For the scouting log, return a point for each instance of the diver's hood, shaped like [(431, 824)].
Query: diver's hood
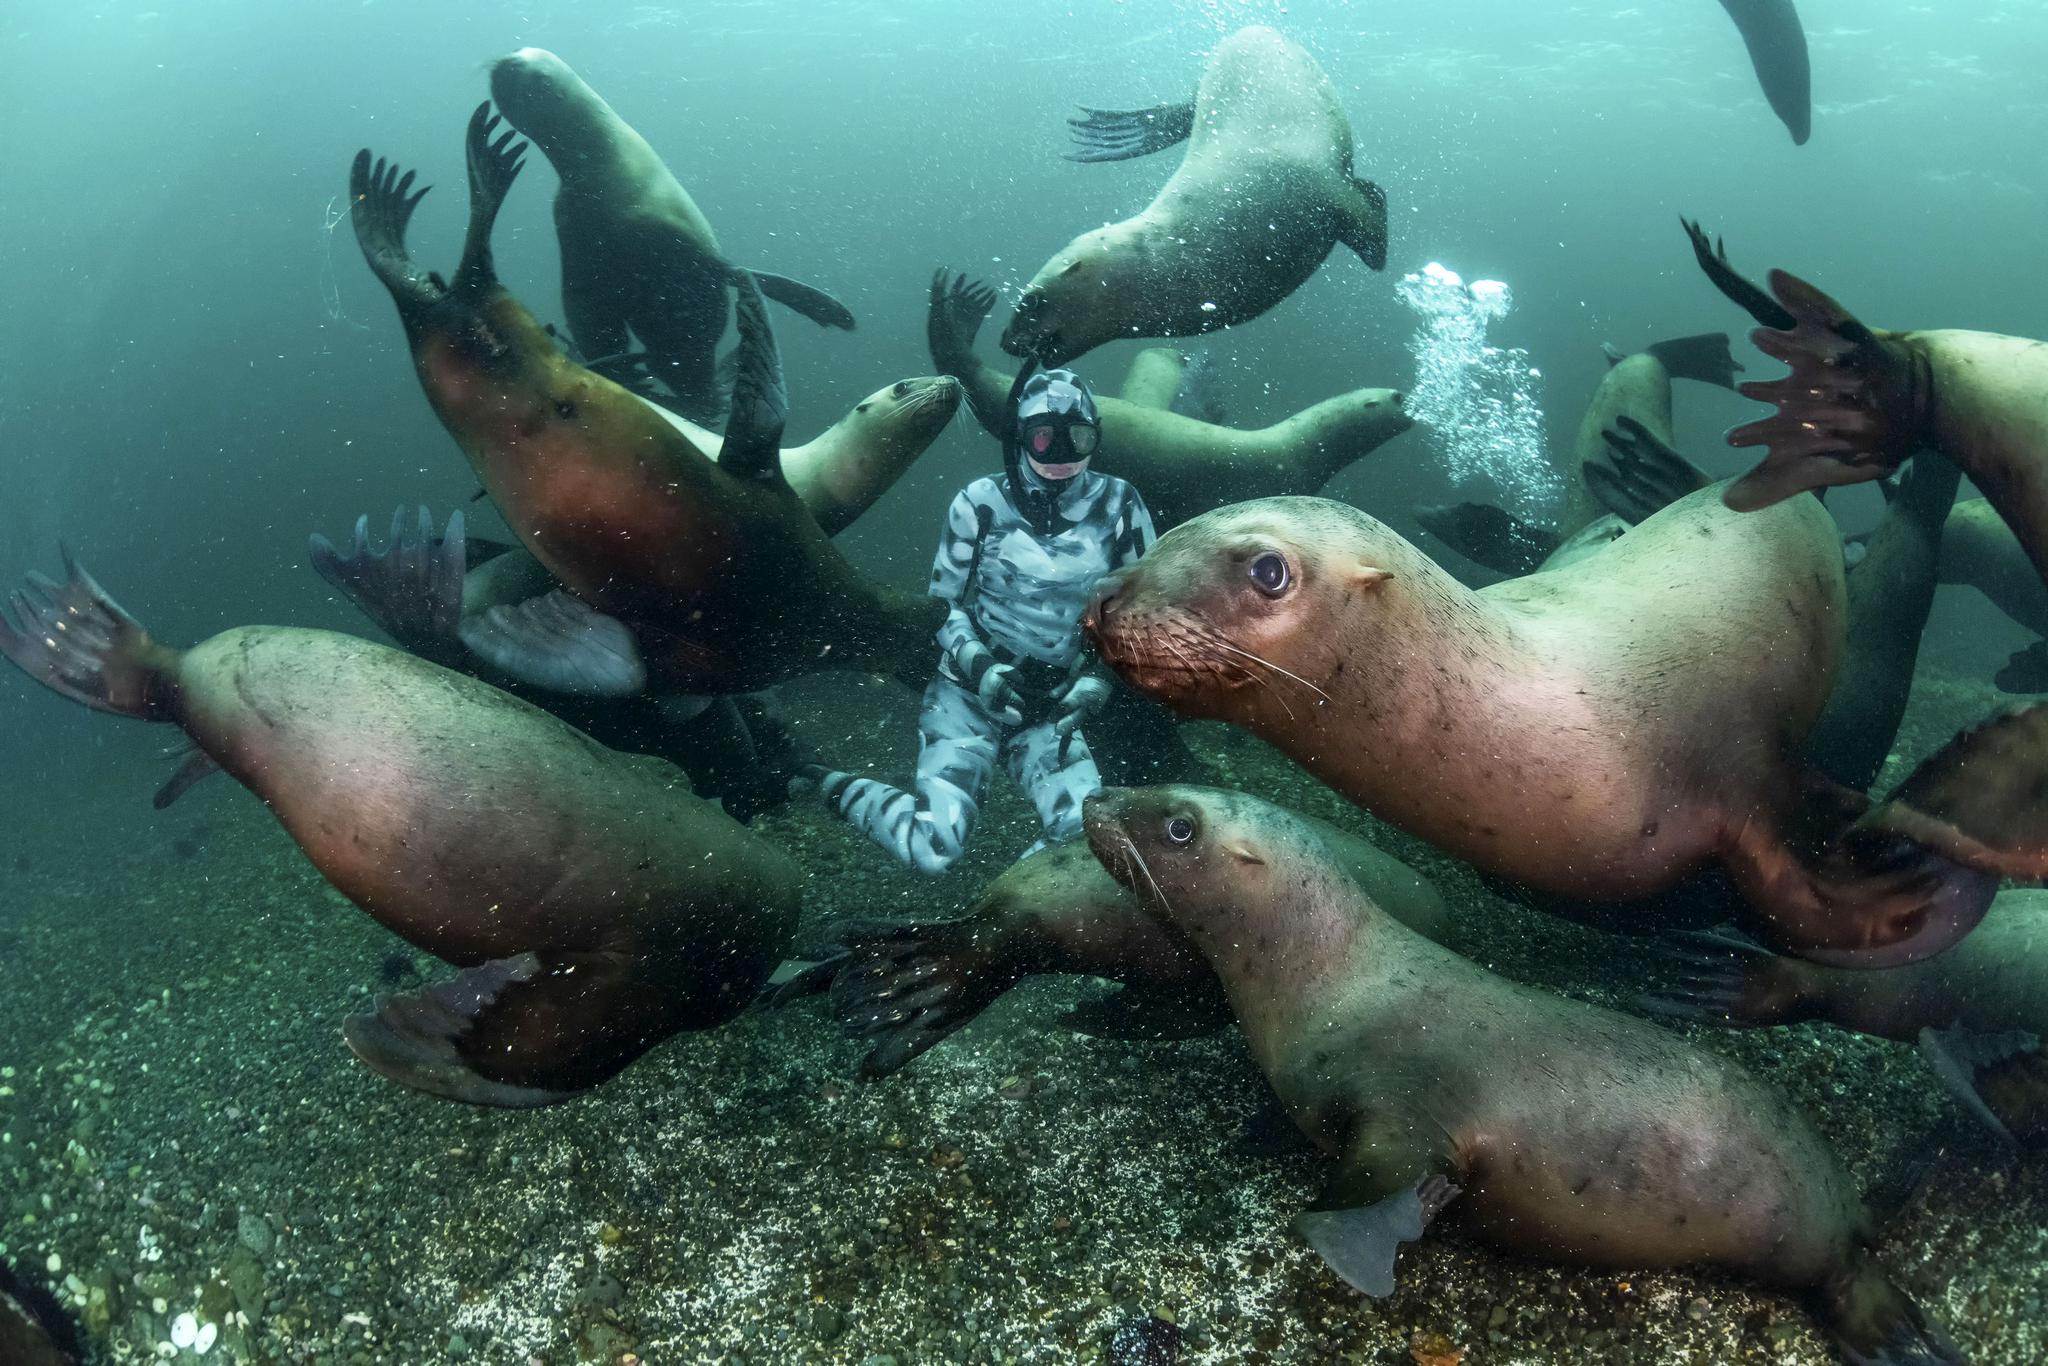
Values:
[(1064, 397)]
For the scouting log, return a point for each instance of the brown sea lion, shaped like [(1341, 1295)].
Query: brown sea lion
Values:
[(1181, 465), (34, 1329), (685, 573), (1600, 732), (638, 256), (907, 986), (594, 904), (1979, 1012), (1263, 193), (1553, 1126)]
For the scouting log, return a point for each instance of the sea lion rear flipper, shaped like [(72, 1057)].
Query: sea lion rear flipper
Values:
[(1715, 978), (1135, 1014), (812, 302), (1704, 358), (1641, 473), (1364, 228), (1360, 1243), (1873, 1321), (1488, 535), (194, 764), (2026, 670), (760, 404), (1121, 134), (1712, 254), (560, 642), (1777, 49), (514, 1032), (1957, 1055), (909, 986), (494, 163), (412, 588)]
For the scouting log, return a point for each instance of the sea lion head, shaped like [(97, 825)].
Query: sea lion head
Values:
[(1081, 298), (904, 418), (1199, 855), (539, 93), (1245, 611)]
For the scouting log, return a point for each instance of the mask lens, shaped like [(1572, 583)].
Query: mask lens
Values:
[(1084, 437), (1039, 439)]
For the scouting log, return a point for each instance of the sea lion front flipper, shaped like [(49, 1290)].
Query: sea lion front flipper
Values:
[(560, 642), (1708, 977), (412, 588), (1642, 474), (1777, 49), (1487, 535), (910, 986), (1121, 134), (1134, 1014), (1360, 1243), (1364, 228), (2025, 670), (1981, 800), (494, 163), (1958, 1055), (812, 302), (380, 204), (760, 404), (1712, 254), (194, 765)]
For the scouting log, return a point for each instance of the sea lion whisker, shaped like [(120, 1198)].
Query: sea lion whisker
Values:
[(1223, 644), (1144, 868)]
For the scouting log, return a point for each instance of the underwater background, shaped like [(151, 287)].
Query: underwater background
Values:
[(196, 371)]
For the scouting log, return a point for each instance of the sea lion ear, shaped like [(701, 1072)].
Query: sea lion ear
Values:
[(1369, 576), (1243, 852)]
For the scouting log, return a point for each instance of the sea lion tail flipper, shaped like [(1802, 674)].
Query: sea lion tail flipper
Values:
[(74, 639), (412, 588), (812, 302), (1874, 1323), (194, 764), (1712, 254), (1981, 801), (380, 204), (909, 986), (559, 642), (1364, 226), (1137, 1013), (760, 404), (513, 1032), (1716, 978), (1641, 473), (1958, 1056), (1777, 49), (1121, 134), (1487, 535), (2025, 670), (495, 160), (1360, 1243), (1849, 410), (1704, 358)]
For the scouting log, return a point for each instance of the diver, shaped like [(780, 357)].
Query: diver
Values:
[(1017, 559)]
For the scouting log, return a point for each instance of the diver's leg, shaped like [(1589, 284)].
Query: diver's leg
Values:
[(1057, 773), (956, 752)]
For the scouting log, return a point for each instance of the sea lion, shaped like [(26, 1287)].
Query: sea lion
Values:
[(1263, 193), (839, 473), (638, 256), (594, 904), (1598, 732), (1552, 1125), (1979, 550), (34, 1329), (1979, 1012), (907, 986), (684, 573), (1777, 49), (1181, 465), (1155, 377)]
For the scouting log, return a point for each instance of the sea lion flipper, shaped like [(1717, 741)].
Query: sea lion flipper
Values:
[(2025, 670), (412, 588), (812, 302), (380, 204), (1360, 1243), (1365, 227), (1979, 801), (1712, 254), (1642, 474), (908, 986), (495, 160), (194, 764), (1121, 134), (1704, 357), (760, 404), (560, 642), (74, 639), (1958, 1055), (1487, 535), (1714, 978)]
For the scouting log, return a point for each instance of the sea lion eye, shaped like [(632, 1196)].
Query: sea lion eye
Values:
[(1268, 573), (899, 388), (564, 409), (1179, 830)]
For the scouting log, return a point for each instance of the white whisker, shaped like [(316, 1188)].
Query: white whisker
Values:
[(1226, 645), (1132, 850)]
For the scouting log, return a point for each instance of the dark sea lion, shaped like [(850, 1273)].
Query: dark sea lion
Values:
[(683, 573), (1553, 1126), (1263, 193), (34, 1329), (595, 905), (908, 986), (1599, 732), (1979, 1012), (1777, 49), (1181, 465), (638, 256)]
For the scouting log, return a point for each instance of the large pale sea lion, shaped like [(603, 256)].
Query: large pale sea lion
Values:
[(690, 574), (638, 256), (1552, 1126), (907, 986), (1181, 465), (1263, 193), (1602, 732), (1979, 1012), (594, 904)]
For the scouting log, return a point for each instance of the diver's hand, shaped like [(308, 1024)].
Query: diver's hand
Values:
[(1078, 701), (999, 695)]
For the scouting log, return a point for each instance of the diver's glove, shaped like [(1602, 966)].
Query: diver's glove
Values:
[(1078, 700), (974, 664)]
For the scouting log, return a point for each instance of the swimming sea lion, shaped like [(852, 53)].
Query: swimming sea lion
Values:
[(34, 1329), (638, 256), (1155, 376), (694, 575), (1598, 732), (595, 905), (1777, 49), (1264, 192), (1181, 465), (1553, 1126), (909, 985)]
